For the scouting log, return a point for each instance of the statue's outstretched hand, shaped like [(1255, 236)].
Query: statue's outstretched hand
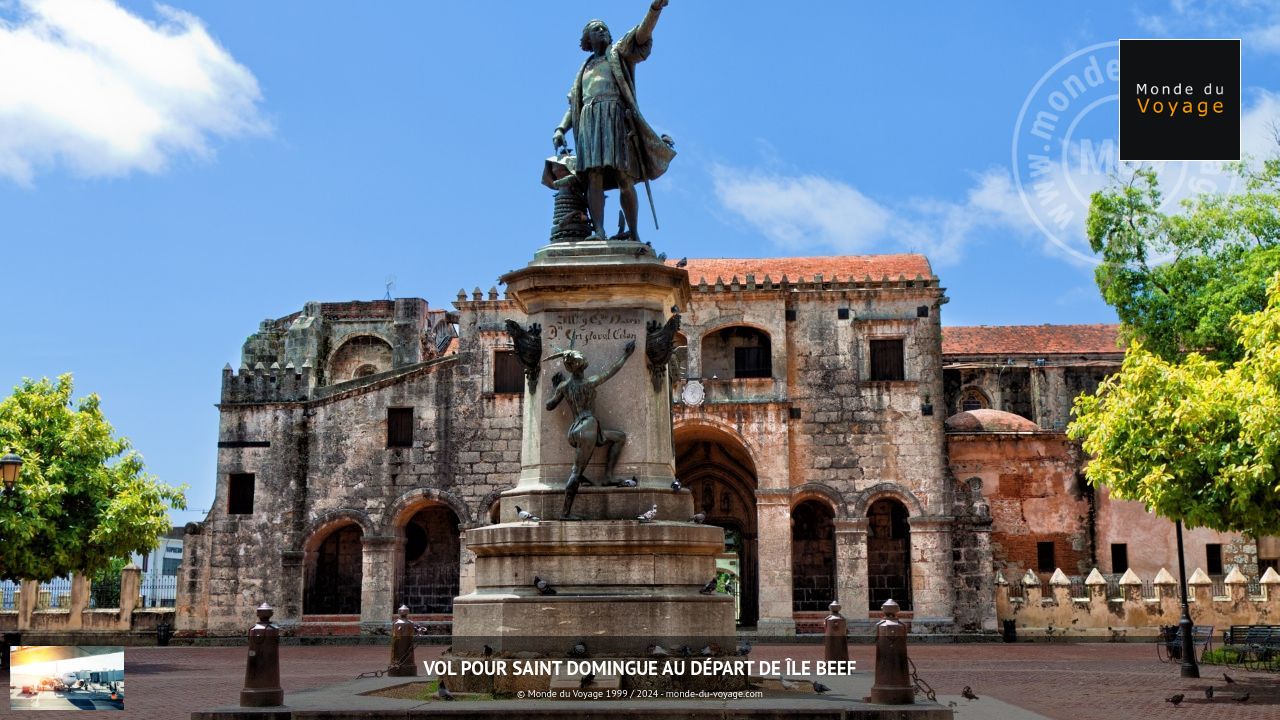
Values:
[(630, 347), (557, 140)]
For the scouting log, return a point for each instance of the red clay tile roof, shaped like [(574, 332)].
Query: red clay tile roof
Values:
[(842, 266), (1031, 340), (989, 421)]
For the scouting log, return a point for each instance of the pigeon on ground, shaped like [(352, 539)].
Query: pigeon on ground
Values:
[(787, 684), (443, 693), (951, 703), (675, 485), (709, 588), (675, 309), (707, 651), (967, 693), (744, 648), (1228, 679), (1176, 699), (686, 651), (649, 515), (526, 515), (488, 651), (587, 680), (699, 518), (544, 587), (658, 651), (578, 650), (629, 482), (820, 688), (1241, 698), (1208, 692)]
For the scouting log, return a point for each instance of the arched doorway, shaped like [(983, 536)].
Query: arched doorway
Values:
[(334, 570), (719, 472), (813, 556), (888, 554), (429, 560)]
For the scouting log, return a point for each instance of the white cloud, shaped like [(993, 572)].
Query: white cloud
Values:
[(105, 93), (802, 212), (795, 211), (1259, 125)]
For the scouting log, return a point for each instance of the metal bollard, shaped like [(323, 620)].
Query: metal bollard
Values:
[(835, 638), (262, 669), (402, 634), (893, 677)]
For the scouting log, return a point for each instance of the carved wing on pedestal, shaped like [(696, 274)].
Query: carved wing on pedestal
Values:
[(659, 342), (528, 347)]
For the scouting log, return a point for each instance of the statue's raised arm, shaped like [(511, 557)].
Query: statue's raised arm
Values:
[(645, 32), (616, 366)]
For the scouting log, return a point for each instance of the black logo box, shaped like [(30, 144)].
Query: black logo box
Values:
[(1186, 69)]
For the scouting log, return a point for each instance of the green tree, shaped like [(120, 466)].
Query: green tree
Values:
[(83, 498), (1195, 439), (1177, 279)]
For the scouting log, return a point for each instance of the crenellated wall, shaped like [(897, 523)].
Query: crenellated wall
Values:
[(1129, 613)]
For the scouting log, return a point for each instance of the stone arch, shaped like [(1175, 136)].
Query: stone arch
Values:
[(813, 554), (356, 354), (488, 508), (888, 552), (333, 561), (737, 350), (863, 499), (332, 519), (719, 468), (426, 525), (824, 493), (973, 397), (408, 503)]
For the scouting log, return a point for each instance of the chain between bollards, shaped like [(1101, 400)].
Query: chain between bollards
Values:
[(921, 687)]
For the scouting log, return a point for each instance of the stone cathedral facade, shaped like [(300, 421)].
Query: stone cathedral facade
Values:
[(850, 447)]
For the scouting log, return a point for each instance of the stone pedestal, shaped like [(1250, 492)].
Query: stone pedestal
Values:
[(620, 585)]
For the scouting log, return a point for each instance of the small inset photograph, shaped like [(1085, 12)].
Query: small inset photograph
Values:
[(66, 677)]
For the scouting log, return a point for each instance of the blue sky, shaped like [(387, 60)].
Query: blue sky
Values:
[(172, 175)]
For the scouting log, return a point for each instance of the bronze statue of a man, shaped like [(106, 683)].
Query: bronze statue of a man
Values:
[(616, 147), (586, 433)]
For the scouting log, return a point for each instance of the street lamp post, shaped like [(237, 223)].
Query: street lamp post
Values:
[(1189, 667), (10, 465)]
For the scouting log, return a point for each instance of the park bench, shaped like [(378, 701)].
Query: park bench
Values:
[(1255, 646), (1169, 643)]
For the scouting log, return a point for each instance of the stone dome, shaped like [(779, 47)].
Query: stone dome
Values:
[(975, 421)]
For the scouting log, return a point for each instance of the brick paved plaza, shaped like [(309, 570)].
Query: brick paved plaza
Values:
[(1076, 682)]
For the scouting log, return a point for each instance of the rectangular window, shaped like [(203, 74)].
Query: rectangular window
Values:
[(886, 360), (1045, 562), (399, 427), (145, 558), (1213, 558), (1119, 557), (751, 362), (508, 376), (240, 494), (171, 566)]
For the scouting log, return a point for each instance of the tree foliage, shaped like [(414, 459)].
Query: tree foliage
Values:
[(1177, 279), (1195, 439), (83, 498)]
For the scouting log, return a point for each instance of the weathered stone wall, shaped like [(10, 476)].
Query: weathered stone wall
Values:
[(1031, 483)]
